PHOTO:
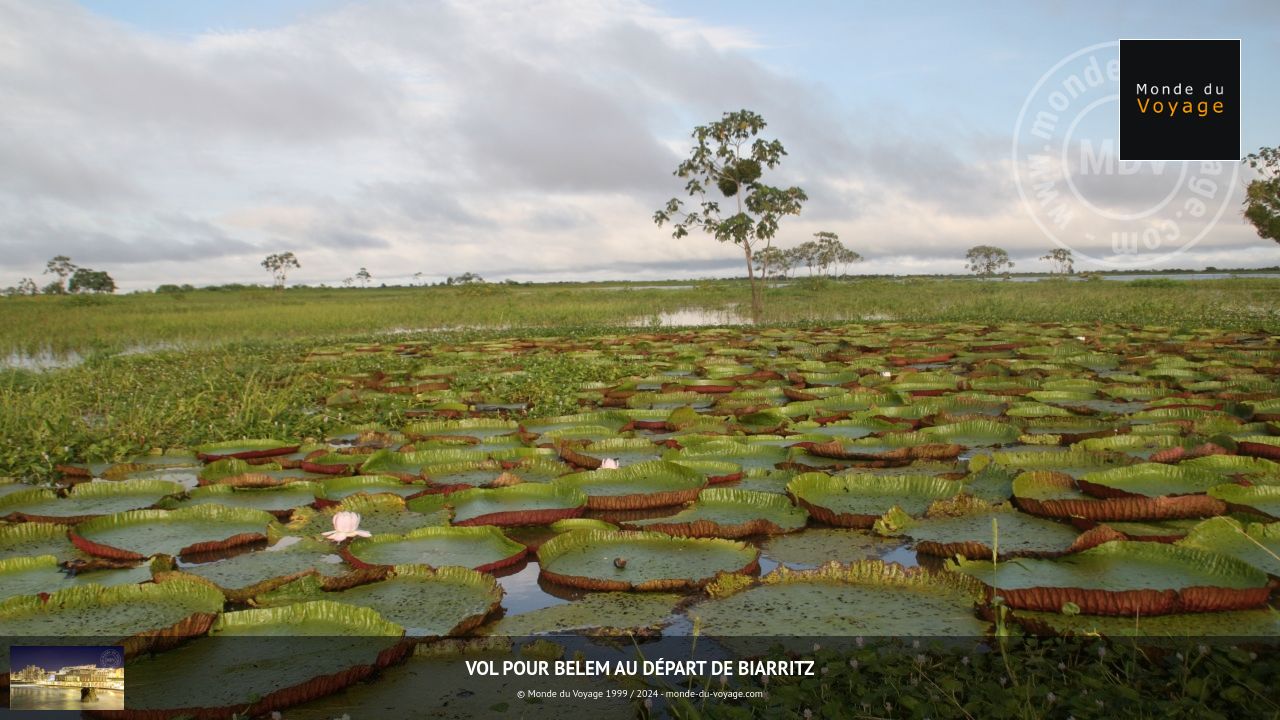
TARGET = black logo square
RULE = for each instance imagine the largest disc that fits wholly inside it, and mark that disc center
(1180, 100)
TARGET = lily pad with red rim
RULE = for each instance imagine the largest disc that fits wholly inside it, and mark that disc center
(857, 500)
(522, 504)
(138, 534)
(423, 600)
(86, 500)
(244, 449)
(729, 513)
(483, 549)
(648, 561)
(331, 646)
(1125, 578)
(636, 487)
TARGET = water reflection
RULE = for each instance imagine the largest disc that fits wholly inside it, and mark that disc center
(31, 697)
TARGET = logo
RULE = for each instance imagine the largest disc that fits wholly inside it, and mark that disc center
(110, 658)
(1117, 213)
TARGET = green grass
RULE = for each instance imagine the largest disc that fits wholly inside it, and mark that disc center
(60, 325)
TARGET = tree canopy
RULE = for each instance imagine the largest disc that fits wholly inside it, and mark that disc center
(1262, 196)
(279, 265)
(729, 156)
(987, 260)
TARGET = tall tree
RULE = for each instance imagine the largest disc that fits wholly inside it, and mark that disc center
(94, 281)
(987, 260)
(279, 265)
(1060, 260)
(729, 156)
(771, 258)
(61, 266)
(1262, 196)
(364, 277)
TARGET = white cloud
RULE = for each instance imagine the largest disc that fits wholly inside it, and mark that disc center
(518, 140)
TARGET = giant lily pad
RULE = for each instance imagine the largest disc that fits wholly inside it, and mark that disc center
(138, 534)
(972, 529)
(1255, 543)
(244, 449)
(1148, 480)
(279, 500)
(244, 575)
(86, 500)
(1263, 499)
(410, 465)
(144, 613)
(340, 487)
(482, 548)
(1125, 578)
(864, 598)
(729, 513)
(1252, 624)
(523, 504)
(425, 601)
(819, 546)
(31, 538)
(636, 487)
(605, 614)
(857, 500)
(379, 514)
(41, 574)
(331, 646)
(974, 433)
(1056, 495)
(618, 560)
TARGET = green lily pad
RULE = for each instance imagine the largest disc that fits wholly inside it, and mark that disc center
(138, 534)
(31, 575)
(605, 613)
(974, 530)
(482, 548)
(114, 612)
(244, 575)
(523, 504)
(380, 514)
(88, 499)
(32, 538)
(425, 601)
(868, 598)
(636, 487)
(819, 546)
(603, 560)
(857, 500)
(974, 433)
(1252, 624)
(243, 449)
(272, 499)
(1264, 499)
(338, 488)
(729, 513)
(1125, 578)
(1255, 543)
(332, 645)
(1149, 480)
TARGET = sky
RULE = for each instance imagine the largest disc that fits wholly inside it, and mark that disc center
(182, 142)
(56, 657)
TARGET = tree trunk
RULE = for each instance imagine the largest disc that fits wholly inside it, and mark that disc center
(757, 302)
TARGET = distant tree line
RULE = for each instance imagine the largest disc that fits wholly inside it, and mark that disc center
(69, 278)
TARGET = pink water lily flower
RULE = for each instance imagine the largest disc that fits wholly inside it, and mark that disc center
(609, 464)
(346, 525)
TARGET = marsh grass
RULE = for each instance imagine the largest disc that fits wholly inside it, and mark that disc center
(32, 325)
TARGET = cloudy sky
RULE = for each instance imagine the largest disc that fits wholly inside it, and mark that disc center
(181, 142)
